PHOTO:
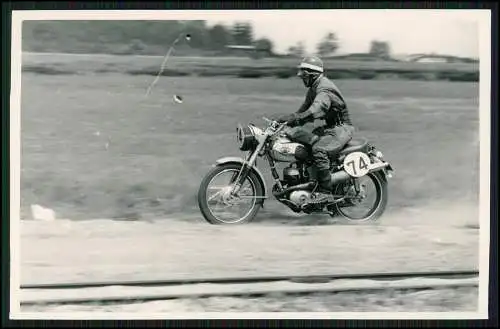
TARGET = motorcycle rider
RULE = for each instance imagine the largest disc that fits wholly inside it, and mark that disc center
(323, 101)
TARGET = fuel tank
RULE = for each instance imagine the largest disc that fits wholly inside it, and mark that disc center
(284, 150)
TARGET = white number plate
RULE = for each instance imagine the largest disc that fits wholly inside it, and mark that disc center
(357, 164)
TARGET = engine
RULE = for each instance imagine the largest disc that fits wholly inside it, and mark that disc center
(300, 197)
(292, 176)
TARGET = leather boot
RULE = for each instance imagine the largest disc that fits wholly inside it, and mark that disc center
(324, 179)
(325, 187)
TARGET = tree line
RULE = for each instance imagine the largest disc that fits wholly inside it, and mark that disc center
(137, 36)
(154, 37)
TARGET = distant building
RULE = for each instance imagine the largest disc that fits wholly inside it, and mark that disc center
(431, 60)
(245, 50)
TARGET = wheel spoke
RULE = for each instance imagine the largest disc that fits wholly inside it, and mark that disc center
(225, 201)
(214, 196)
(216, 187)
(358, 208)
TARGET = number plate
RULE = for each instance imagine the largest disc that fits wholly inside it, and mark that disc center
(357, 164)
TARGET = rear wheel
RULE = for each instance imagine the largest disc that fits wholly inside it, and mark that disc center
(366, 206)
(216, 202)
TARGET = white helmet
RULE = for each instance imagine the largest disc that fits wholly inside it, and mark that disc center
(312, 63)
(310, 69)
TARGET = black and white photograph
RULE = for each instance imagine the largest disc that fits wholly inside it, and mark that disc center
(285, 164)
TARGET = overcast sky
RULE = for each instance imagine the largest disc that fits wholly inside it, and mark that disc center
(407, 31)
(450, 32)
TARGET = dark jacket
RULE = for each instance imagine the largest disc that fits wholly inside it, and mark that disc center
(325, 101)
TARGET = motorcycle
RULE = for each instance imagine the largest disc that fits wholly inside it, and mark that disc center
(357, 162)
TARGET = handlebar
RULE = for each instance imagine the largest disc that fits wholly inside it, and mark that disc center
(268, 120)
(275, 125)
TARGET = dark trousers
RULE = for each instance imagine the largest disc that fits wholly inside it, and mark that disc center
(326, 142)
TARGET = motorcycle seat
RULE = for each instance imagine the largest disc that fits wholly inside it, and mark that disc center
(355, 145)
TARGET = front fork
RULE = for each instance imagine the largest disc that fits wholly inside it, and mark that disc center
(239, 178)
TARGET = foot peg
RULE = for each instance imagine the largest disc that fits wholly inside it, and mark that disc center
(319, 202)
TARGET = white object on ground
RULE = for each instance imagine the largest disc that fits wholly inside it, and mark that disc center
(40, 213)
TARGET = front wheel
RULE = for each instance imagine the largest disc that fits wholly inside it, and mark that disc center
(216, 202)
(367, 205)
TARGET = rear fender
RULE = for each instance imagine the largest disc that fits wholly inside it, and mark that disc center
(385, 170)
(240, 161)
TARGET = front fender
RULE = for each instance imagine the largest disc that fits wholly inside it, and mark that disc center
(239, 160)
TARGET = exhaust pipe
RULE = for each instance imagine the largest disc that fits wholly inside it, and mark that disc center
(342, 176)
(339, 176)
(304, 186)
(378, 166)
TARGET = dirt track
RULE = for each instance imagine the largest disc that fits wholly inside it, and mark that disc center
(449, 300)
(433, 238)
(104, 249)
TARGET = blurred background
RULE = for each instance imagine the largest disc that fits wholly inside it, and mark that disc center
(95, 146)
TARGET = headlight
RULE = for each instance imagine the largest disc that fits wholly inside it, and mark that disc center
(245, 137)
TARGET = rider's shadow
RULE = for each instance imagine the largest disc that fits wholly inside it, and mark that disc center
(283, 217)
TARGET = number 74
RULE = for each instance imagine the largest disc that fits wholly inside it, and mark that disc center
(359, 165)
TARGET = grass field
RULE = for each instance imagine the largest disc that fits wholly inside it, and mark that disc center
(243, 67)
(94, 146)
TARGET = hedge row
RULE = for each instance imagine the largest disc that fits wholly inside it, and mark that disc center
(265, 72)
